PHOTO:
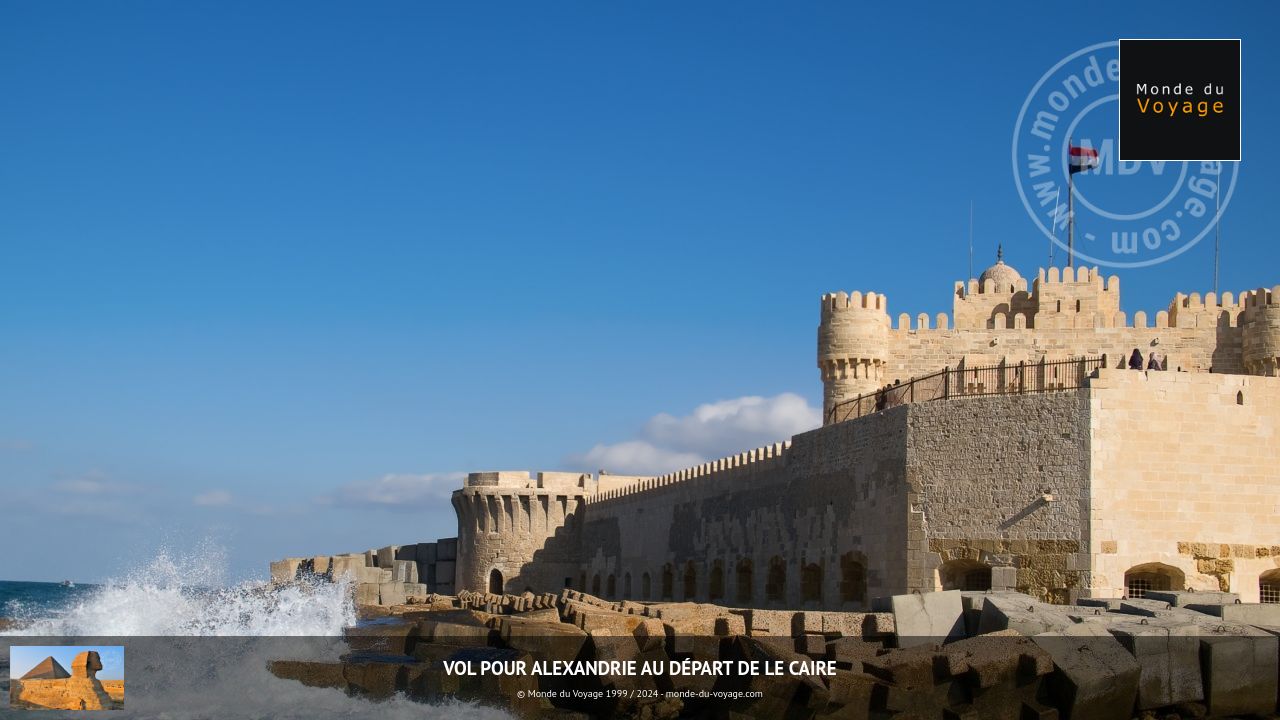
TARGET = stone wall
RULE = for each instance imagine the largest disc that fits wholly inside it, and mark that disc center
(820, 524)
(1185, 471)
(1000, 481)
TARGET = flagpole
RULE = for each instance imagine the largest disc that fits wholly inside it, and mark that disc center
(1057, 214)
(1071, 210)
(1217, 231)
(970, 239)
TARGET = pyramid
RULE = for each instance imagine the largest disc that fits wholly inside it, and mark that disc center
(47, 669)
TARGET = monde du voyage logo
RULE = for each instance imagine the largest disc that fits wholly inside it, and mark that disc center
(1157, 202)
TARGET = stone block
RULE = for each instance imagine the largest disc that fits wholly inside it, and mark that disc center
(366, 594)
(926, 618)
(371, 575)
(1020, 613)
(1189, 598)
(1168, 654)
(1249, 613)
(1004, 578)
(407, 552)
(458, 634)
(1094, 677)
(770, 622)
(391, 593)
(387, 638)
(285, 570)
(387, 555)
(445, 572)
(544, 641)
(404, 571)
(347, 567)
(447, 549)
(426, 553)
(1240, 669)
(320, 564)
(650, 634)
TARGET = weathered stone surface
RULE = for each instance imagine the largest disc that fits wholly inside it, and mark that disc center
(926, 618)
(1169, 657)
(1240, 669)
(391, 593)
(1094, 677)
(86, 664)
(73, 693)
(1021, 613)
(1190, 599)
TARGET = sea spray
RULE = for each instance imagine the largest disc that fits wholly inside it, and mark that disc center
(197, 648)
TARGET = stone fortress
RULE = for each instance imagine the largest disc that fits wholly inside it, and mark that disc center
(1120, 482)
(1029, 458)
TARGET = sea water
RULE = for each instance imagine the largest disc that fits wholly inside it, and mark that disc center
(198, 649)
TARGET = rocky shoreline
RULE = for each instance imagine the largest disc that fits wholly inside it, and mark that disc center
(937, 655)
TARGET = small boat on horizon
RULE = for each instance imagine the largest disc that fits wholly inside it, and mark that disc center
(68, 583)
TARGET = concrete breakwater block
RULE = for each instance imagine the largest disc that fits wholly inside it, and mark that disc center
(1240, 669)
(1021, 613)
(1168, 654)
(1094, 677)
(1190, 599)
(925, 618)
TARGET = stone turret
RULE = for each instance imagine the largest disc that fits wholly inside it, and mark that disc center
(853, 345)
(1261, 336)
(509, 522)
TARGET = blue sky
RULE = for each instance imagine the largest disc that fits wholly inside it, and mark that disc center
(273, 274)
(24, 657)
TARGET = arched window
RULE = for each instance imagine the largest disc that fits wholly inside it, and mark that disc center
(811, 582)
(690, 581)
(668, 582)
(744, 573)
(715, 590)
(1139, 579)
(595, 585)
(611, 587)
(964, 574)
(644, 586)
(626, 585)
(1240, 397)
(1269, 586)
(775, 586)
(853, 578)
(495, 582)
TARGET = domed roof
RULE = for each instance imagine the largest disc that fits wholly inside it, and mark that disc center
(1003, 275)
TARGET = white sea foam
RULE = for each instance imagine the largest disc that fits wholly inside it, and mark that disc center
(197, 648)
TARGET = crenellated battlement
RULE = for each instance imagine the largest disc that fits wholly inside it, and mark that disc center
(756, 459)
(1063, 312)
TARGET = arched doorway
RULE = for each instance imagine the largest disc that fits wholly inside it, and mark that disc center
(1269, 587)
(668, 582)
(626, 586)
(964, 574)
(690, 581)
(853, 578)
(715, 590)
(811, 583)
(495, 581)
(744, 580)
(1140, 579)
(645, 583)
(611, 587)
(775, 586)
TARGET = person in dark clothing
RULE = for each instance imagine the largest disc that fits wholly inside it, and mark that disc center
(1135, 360)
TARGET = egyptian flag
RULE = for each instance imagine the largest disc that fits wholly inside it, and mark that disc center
(1082, 159)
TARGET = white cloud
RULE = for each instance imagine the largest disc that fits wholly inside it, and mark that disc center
(711, 431)
(213, 498)
(398, 491)
(633, 457)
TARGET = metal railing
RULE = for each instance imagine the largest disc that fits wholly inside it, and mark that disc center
(1001, 379)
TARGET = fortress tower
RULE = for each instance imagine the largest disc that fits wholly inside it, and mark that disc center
(853, 344)
(997, 319)
(517, 531)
